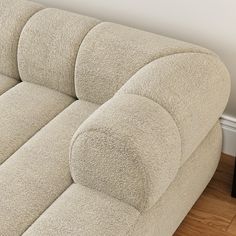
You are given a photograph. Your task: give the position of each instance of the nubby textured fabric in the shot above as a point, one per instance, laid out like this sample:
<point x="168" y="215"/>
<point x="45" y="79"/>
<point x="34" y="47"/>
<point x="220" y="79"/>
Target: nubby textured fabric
<point x="104" y="129"/>
<point x="24" y="110"/>
<point x="119" y="150"/>
<point x="48" y="48"/>
<point x="192" y="87"/>
<point x="6" y="83"/>
<point x="36" y="174"/>
<point x="112" y="53"/>
<point x="93" y="214"/>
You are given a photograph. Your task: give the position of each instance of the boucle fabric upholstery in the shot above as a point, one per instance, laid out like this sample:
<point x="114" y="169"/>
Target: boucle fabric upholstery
<point x="48" y="48"/>
<point x="192" y="178"/>
<point x="123" y="159"/>
<point x="110" y="54"/>
<point x="13" y="16"/>
<point x="27" y="108"/>
<point x="194" y="88"/>
<point x="6" y="83"/>
<point x="170" y="99"/>
<point x="82" y="211"/>
<point x="35" y="175"/>
<point x="122" y="145"/>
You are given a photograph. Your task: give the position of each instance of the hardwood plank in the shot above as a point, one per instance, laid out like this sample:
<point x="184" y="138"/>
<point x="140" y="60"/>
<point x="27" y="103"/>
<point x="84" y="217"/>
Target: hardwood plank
<point x="210" y="204"/>
<point x="214" y="214"/>
<point x="209" y="219"/>
<point x="232" y="227"/>
<point x="194" y="228"/>
<point x="217" y="193"/>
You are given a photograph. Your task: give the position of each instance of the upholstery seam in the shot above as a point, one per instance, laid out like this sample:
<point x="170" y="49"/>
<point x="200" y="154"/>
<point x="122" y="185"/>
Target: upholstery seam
<point x="78" y="52"/>
<point x="138" y="95"/>
<point x="19" y="39"/>
<point x="39" y="129"/>
<point x="174" y="123"/>
<point x="173" y="54"/>
<point x="76" y="55"/>
<point x="50" y="204"/>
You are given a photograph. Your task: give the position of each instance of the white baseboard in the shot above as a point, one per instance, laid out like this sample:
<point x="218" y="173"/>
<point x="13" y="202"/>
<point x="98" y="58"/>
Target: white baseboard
<point x="228" y="124"/>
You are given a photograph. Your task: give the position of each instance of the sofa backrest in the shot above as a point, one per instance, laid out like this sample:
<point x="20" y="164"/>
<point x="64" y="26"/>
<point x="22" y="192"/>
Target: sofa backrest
<point x="13" y="16"/>
<point x="83" y="57"/>
<point x="48" y="48"/>
<point x="111" y="54"/>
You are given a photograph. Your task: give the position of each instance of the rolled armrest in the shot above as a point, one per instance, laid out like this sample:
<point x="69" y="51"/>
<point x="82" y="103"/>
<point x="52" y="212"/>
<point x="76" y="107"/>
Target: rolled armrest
<point x="129" y="148"/>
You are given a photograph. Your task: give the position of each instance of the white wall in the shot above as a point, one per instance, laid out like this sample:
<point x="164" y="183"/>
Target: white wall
<point x="209" y="23"/>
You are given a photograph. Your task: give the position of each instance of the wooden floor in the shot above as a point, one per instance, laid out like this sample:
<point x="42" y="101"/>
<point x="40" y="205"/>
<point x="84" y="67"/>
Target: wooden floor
<point x="214" y="214"/>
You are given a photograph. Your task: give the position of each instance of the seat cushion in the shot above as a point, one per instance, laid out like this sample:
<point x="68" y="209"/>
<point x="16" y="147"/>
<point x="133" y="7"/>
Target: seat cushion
<point x="6" y="83"/>
<point x="34" y="176"/>
<point x="24" y="110"/>
<point x="85" y="212"/>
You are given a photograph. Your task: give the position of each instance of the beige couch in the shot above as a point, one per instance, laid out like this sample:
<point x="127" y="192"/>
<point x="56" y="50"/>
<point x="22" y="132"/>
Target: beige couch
<point x="104" y="130"/>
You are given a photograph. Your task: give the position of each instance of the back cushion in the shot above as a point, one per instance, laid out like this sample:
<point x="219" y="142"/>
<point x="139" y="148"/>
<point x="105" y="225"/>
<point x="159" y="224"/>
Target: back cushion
<point x="112" y="53"/>
<point x="13" y="16"/>
<point x="48" y="48"/>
